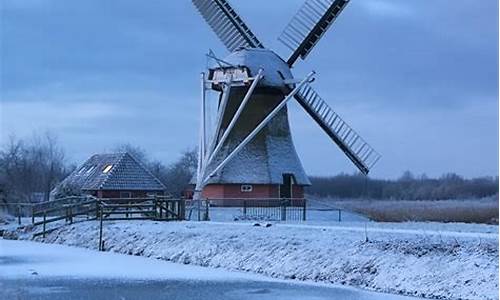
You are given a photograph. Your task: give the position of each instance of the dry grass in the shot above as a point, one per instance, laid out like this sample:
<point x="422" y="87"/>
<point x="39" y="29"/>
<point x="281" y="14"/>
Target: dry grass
<point x="467" y="211"/>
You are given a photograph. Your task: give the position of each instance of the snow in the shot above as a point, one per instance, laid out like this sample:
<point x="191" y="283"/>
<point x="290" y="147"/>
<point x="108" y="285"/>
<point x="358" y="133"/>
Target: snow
<point x="47" y="271"/>
<point x="454" y="261"/>
<point x="64" y="261"/>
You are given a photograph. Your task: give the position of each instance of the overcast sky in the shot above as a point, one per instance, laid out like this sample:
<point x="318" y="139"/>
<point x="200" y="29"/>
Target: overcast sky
<point x="417" y="79"/>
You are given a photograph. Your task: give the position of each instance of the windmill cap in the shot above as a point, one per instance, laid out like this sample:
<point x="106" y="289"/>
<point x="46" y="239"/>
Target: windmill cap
<point x="275" y="70"/>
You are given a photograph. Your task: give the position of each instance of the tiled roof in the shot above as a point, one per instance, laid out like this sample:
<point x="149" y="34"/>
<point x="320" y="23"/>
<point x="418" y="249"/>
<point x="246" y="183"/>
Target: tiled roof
<point x="124" y="173"/>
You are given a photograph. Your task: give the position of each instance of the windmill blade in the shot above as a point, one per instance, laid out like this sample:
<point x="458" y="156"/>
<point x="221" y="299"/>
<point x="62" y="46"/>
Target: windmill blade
<point x="356" y="149"/>
<point x="308" y="26"/>
<point x="226" y="24"/>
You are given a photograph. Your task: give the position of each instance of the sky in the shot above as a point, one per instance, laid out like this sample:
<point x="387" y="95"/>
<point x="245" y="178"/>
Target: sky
<point x="418" y="80"/>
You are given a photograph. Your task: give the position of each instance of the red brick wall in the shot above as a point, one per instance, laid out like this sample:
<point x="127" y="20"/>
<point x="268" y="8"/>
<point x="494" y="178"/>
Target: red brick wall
<point x="297" y="191"/>
<point x="232" y="191"/>
<point x="213" y="191"/>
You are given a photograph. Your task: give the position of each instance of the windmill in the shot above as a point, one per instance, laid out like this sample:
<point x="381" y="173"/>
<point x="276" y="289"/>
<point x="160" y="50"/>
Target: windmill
<point x="250" y="152"/>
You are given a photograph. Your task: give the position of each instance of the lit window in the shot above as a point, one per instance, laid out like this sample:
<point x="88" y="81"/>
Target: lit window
<point x="107" y="168"/>
<point x="246" y="188"/>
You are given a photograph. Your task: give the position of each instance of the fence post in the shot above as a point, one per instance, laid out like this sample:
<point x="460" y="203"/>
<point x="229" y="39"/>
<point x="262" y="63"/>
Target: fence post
<point x="96" y="209"/>
<point x="245" y="208"/>
<point x="19" y="214"/>
<point x="199" y="209"/>
<point x="304" y="210"/>
<point x="70" y="214"/>
<point x="205" y="217"/>
<point x="161" y="209"/>
<point x="159" y="204"/>
<point x="283" y="210"/>
<point x="44" y="219"/>
<point x="182" y="212"/>
<point x="32" y="214"/>
<point x="170" y="206"/>
<point x="340" y="215"/>
<point x="100" y="228"/>
<point x="126" y="209"/>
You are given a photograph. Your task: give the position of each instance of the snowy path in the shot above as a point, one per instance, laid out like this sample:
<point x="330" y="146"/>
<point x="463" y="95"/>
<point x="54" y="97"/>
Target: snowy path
<point x="32" y="270"/>
<point x="416" y="232"/>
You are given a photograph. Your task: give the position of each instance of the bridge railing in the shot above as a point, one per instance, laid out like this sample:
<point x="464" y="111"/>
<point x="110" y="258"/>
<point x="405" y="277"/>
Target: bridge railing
<point x="61" y="211"/>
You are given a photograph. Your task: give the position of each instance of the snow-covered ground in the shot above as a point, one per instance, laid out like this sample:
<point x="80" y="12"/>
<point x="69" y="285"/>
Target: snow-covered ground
<point x="42" y="271"/>
<point x="20" y="259"/>
<point x="450" y="261"/>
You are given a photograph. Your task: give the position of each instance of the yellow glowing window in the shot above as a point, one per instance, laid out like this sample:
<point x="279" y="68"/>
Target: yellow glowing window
<point x="107" y="168"/>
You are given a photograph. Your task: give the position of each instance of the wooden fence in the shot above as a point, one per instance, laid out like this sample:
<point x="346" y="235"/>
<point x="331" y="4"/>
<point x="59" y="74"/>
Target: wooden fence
<point x="68" y="210"/>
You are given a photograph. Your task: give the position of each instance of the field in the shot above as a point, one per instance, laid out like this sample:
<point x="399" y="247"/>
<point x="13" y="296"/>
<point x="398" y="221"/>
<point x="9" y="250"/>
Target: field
<point x="483" y="211"/>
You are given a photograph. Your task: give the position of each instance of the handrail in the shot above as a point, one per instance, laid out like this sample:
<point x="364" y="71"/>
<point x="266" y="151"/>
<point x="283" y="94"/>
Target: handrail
<point x="151" y="208"/>
<point x="17" y="204"/>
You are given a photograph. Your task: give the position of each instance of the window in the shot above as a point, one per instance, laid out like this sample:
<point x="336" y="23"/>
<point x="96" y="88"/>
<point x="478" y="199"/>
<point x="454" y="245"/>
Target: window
<point x="246" y="188"/>
<point x="107" y="168"/>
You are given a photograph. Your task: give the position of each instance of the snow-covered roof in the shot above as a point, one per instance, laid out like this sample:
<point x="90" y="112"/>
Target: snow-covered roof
<point x="115" y="171"/>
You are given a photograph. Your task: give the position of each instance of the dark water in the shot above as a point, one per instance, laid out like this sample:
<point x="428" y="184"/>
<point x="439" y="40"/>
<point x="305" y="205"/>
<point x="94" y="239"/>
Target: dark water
<point x="63" y="289"/>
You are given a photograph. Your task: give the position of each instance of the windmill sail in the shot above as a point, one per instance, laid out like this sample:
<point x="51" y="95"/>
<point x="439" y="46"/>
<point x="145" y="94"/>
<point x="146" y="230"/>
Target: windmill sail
<point x="226" y="24"/>
<point x="356" y="149"/>
<point x="308" y="26"/>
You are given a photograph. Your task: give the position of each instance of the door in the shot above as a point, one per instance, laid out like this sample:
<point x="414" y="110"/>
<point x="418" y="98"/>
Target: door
<point x="286" y="189"/>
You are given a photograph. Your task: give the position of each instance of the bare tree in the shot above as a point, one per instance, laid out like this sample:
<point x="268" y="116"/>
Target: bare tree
<point x="179" y="174"/>
<point x="31" y="166"/>
<point x="136" y="151"/>
<point x="407" y="187"/>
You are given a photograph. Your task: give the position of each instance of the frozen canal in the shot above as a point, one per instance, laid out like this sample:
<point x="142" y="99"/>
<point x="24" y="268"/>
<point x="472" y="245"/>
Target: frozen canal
<point x="31" y="270"/>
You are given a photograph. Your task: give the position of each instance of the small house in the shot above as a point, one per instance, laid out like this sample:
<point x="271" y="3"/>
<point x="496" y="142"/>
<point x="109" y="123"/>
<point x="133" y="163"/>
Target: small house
<point x="116" y="175"/>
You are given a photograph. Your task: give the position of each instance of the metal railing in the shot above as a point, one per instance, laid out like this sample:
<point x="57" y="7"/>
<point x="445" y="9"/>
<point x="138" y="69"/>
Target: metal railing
<point x="271" y="209"/>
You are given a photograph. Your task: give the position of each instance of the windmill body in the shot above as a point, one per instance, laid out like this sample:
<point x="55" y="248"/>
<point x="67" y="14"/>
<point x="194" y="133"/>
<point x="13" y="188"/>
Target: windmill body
<point x="270" y="156"/>
<point x="250" y="153"/>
